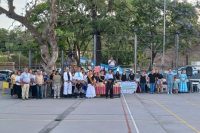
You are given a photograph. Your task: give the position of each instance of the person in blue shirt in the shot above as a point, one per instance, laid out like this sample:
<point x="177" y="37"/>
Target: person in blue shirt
<point x="25" y="80"/>
<point x="109" y="85"/>
<point x="79" y="80"/>
<point x="170" y="81"/>
<point x="183" y="82"/>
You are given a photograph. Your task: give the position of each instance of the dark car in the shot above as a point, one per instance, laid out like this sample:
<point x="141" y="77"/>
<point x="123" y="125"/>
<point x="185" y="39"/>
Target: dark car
<point x="3" y="77"/>
<point x="6" y="74"/>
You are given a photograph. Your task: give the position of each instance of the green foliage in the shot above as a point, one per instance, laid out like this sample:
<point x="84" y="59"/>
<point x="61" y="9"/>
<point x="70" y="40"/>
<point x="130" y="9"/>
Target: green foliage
<point x="117" y="21"/>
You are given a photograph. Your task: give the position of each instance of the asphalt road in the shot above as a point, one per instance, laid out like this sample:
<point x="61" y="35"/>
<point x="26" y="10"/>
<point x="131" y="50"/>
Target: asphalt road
<point x="136" y="113"/>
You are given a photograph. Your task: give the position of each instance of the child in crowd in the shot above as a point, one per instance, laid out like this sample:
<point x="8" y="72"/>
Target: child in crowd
<point x="176" y="81"/>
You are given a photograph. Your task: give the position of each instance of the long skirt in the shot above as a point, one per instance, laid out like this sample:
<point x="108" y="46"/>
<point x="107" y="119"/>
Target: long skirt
<point x="183" y="87"/>
<point x="67" y="88"/>
<point x="90" y="93"/>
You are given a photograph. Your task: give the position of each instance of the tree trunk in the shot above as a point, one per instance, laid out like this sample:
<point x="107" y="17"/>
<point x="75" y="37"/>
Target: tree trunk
<point x="78" y="54"/>
<point x="97" y="33"/>
<point x="152" y="61"/>
<point x="187" y="59"/>
<point x="46" y="39"/>
<point x="49" y="59"/>
<point x="98" y="48"/>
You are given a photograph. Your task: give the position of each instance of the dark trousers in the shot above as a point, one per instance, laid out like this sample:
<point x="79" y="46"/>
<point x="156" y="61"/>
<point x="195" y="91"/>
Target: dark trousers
<point x="18" y="91"/>
<point x="52" y="90"/>
<point x="39" y="91"/>
<point x="109" y="87"/>
<point x="33" y="90"/>
<point x="14" y="90"/>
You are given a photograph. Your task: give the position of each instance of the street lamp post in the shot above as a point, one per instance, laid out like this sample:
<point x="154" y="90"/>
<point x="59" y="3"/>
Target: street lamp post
<point x="19" y="63"/>
<point x="177" y="48"/>
<point x="95" y="45"/>
<point x="135" y="53"/>
<point x="164" y="34"/>
<point x="30" y="58"/>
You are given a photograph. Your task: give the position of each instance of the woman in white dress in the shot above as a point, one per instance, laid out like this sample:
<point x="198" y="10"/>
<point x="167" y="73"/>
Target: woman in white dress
<point x="90" y="93"/>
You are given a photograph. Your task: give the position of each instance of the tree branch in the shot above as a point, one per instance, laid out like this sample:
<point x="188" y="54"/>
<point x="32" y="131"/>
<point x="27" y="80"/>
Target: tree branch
<point x="30" y="7"/>
<point x="10" y="6"/>
<point x="12" y="14"/>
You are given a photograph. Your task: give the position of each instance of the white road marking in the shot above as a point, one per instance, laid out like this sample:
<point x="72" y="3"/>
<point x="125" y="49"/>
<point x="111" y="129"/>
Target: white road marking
<point x="132" y="119"/>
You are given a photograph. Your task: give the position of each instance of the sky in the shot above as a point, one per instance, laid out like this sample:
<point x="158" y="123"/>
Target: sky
<point x="19" y="5"/>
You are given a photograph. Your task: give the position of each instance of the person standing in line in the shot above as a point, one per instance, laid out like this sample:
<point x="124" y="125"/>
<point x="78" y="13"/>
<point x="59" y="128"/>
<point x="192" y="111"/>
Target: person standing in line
<point x="46" y="87"/>
<point x="85" y="83"/>
<point x="51" y="82"/>
<point x="39" y="79"/>
<point x="67" y="76"/>
<point x="183" y="82"/>
<point x="170" y="81"/>
<point x="73" y="85"/>
<point x="176" y="82"/>
<point x="131" y="76"/>
<point x="33" y="87"/>
<point x="18" y="85"/>
<point x="109" y="85"/>
<point x="143" y="81"/>
<point x="25" y="80"/>
<point x="152" y="80"/>
<point x="117" y="76"/>
<point x="90" y="93"/>
<point x="124" y="78"/>
<point x="159" y="78"/>
<point x="13" y="83"/>
<point x="156" y="82"/>
<point x="57" y="81"/>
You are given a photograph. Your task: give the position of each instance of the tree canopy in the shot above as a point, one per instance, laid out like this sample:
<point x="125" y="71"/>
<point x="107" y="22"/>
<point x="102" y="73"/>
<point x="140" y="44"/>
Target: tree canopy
<point x="70" y="25"/>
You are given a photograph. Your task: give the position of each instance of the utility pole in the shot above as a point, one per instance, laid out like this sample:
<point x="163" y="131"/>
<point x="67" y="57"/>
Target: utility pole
<point x="62" y="62"/>
<point x="19" y="60"/>
<point x="95" y="45"/>
<point x="135" y="53"/>
<point x="164" y="34"/>
<point x="30" y="59"/>
<point x="177" y="48"/>
<point x="151" y="56"/>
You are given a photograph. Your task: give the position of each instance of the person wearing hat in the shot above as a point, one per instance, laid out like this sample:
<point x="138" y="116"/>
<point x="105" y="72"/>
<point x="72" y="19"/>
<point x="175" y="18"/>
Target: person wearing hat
<point x="67" y="76"/>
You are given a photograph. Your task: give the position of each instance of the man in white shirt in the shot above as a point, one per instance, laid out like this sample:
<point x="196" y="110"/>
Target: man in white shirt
<point x="78" y="75"/>
<point x="67" y="76"/>
<point x="79" y="82"/>
<point x="25" y="80"/>
<point x="111" y="62"/>
<point x="109" y="85"/>
<point x="18" y="84"/>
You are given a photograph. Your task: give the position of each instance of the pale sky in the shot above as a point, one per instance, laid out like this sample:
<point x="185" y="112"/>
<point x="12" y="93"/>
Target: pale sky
<point x="20" y="4"/>
<point x="19" y="7"/>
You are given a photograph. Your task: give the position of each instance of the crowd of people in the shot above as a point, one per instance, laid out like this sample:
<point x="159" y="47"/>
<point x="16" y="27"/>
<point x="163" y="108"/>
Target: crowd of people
<point x="156" y="82"/>
<point x="81" y="83"/>
<point x="72" y="83"/>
